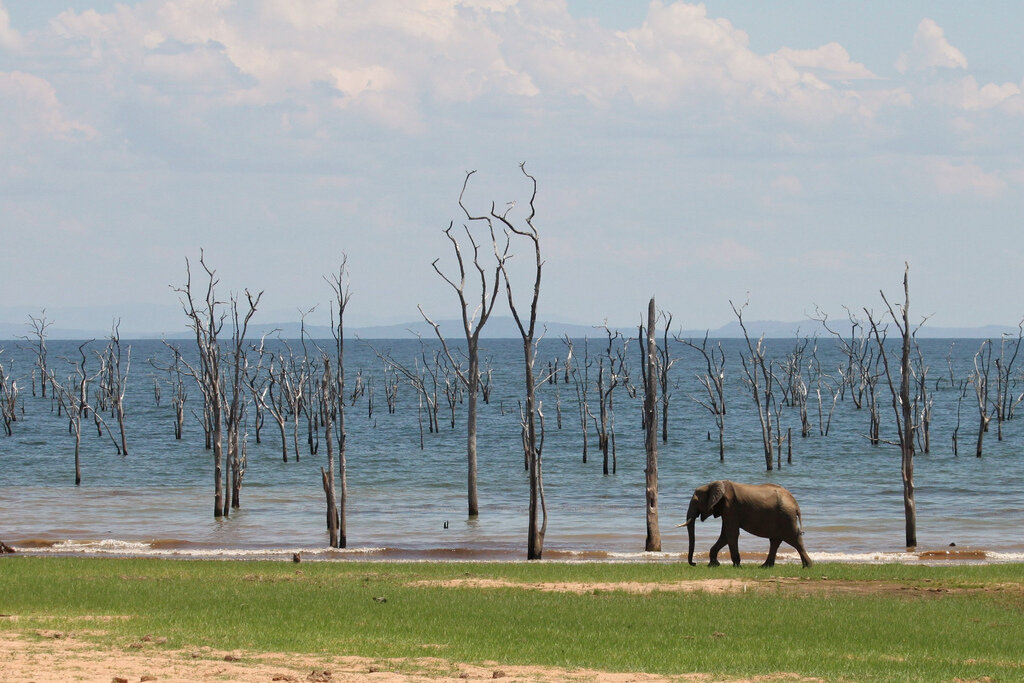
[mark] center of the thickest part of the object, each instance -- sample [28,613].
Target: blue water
[159,498]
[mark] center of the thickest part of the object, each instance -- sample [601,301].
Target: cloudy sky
[799,151]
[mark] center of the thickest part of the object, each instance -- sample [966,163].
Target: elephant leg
[773,548]
[734,549]
[719,544]
[805,559]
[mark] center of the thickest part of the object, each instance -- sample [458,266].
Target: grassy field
[834,621]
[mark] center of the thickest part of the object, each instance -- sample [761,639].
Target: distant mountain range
[498,328]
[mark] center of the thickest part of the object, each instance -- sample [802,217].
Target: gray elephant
[765,510]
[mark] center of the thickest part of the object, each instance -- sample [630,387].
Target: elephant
[765,510]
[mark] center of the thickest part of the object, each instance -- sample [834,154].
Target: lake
[408,502]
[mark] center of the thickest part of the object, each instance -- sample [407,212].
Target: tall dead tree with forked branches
[484,297]
[901,405]
[206,319]
[526,321]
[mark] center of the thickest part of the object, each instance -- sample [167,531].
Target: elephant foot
[713,563]
[735,564]
[767,565]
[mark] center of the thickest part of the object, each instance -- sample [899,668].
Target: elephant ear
[716,492]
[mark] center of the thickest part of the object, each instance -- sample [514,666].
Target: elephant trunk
[691,524]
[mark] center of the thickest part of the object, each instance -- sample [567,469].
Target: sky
[793,154]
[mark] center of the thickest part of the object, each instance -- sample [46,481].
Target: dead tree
[1004,377]
[526,322]
[581,381]
[415,378]
[713,381]
[980,380]
[117,379]
[483,294]
[334,417]
[391,388]
[854,375]
[651,381]
[206,319]
[237,405]
[74,399]
[794,384]
[901,405]
[38,339]
[824,381]
[268,389]
[611,373]
[294,376]
[308,390]
[179,390]
[8,396]
[760,377]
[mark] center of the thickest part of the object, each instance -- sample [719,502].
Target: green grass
[924,623]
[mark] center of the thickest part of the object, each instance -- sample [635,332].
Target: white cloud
[9,38]
[966,94]
[965,178]
[830,62]
[930,50]
[385,60]
[29,108]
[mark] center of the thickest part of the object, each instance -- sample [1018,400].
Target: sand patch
[797,586]
[707,586]
[24,659]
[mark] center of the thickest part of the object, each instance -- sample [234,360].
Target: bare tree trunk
[327,401]
[653,543]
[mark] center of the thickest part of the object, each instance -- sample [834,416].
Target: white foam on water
[121,548]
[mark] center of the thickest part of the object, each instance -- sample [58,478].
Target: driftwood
[4,548]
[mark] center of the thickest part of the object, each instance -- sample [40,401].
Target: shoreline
[185,550]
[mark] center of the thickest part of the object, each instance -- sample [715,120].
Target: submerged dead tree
[116,380]
[482,296]
[74,399]
[651,380]
[713,381]
[611,372]
[8,396]
[333,397]
[580,373]
[38,340]
[760,379]
[980,380]
[206,319]
[1005,381]
[237,404]
[901,405]
[526,322]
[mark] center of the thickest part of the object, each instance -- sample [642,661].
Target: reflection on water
[158,500]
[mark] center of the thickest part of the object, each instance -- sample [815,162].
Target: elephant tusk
[686,523]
